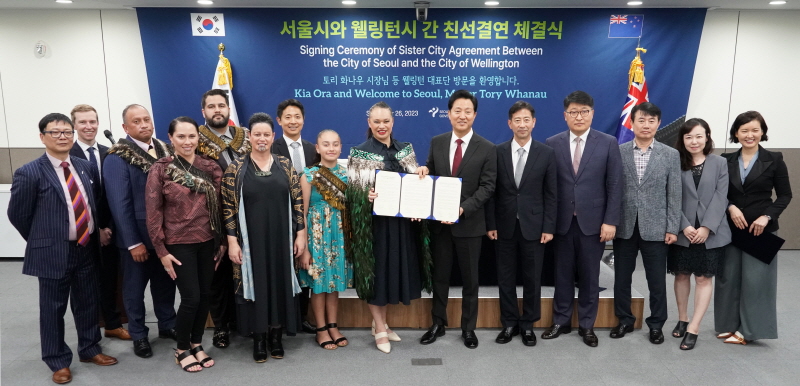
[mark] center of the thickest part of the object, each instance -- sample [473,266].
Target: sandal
[184,355]
[384,347]
[680,329]
[724,335]
[327,342]
[199,349]
[221,338]
[393,337]
[736,338]
[339,341]
[688,342]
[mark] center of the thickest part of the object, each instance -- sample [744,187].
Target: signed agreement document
[406,195]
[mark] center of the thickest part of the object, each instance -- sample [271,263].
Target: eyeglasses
[574,114]
[57,134]
[520,120]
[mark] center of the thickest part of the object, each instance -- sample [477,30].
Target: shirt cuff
[134,246]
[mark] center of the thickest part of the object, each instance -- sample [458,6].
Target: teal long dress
[330,271]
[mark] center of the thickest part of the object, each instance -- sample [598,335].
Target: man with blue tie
[86,122]
[53,207]
[125,174]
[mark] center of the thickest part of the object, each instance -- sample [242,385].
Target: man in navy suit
[291,117]
[521,217]
[107,265]
[125,175]
[589,205]
[53,207]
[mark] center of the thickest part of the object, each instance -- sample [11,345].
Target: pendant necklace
[259,172]
[188,176]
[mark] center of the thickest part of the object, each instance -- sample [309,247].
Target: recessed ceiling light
[349,2]
[64,1]
[492,3]
[205,2]
[634,3]
[777,2]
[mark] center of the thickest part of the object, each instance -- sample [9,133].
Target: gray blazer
[707,203]
[656,202]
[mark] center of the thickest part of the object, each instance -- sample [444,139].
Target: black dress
[266,205]
[696,259]
[397,276]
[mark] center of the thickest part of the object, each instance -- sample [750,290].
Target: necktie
[78,206]
[298,165]
[520,166]
[93,159]
[152,151]
[576,158]
[457,157]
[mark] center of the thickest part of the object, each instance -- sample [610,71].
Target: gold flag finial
[636,73]
[221,48]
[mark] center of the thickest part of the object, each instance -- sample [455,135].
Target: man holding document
[521,217]
[464,154]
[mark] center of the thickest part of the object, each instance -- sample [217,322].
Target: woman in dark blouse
[183,220]
[746,288]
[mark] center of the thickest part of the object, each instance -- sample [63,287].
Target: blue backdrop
[545,53]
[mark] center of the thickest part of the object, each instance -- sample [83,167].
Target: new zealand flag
[625,26]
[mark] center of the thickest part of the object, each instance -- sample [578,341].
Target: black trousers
[222,301]
[107,268]
[654,258]
[79,287]
[581,255]
[513,254]
[193,279]
[467,251]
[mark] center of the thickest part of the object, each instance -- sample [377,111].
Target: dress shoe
[142,348]
[101,360]
[222,337]
[470,339]
[620,330]
[555,330]
[168,334]
[260,347]
[680,329]
[528,338]
[119,333]
[589,338]
[308,328]
[434,332]
[275,343]
[384,347]
[689,340]
[62,376]
[506,334]
[656,336]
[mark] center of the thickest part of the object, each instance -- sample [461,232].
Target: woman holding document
[390,255]
[746,287]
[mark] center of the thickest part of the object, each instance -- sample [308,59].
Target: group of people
[252,227]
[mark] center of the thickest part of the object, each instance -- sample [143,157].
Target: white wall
[748,61]
[93,57]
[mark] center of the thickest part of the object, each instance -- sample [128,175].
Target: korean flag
[208,24]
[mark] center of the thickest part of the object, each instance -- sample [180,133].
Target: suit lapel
[628,166]
[652,164]
[76,151]
[587,153]
[733,171]
[688,182]
[472,147]
[507,159]
[533,155]
[51,176]
[563,143]
[762,163]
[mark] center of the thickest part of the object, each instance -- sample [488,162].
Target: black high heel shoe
[275,344]
[260,347]
[688,342]
[680,329]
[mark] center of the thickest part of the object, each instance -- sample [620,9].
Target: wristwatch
[768,217]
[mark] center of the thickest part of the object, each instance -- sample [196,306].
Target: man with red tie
[52,206]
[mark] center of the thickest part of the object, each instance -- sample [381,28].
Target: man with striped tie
[53,207]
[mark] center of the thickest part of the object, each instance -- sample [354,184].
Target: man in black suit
[521,217]
[107,265]
[589,182]
[291,117]
[460,153]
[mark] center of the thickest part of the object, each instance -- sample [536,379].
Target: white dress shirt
[73,232]
[572,143]
[85,149]
[144,146]
[289,143]
[515,156]
[453,146]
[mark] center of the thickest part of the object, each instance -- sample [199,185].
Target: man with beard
[224,143]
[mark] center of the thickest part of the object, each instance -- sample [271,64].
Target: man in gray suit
[651,219]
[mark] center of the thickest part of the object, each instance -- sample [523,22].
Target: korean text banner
[339,62]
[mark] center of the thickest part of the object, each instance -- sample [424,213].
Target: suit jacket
[125,193]
[707,203]
[534,202]
[656,201]
[40,212]
[754,197]
[103,212]
[280,147]
[593,195]
[478,172]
